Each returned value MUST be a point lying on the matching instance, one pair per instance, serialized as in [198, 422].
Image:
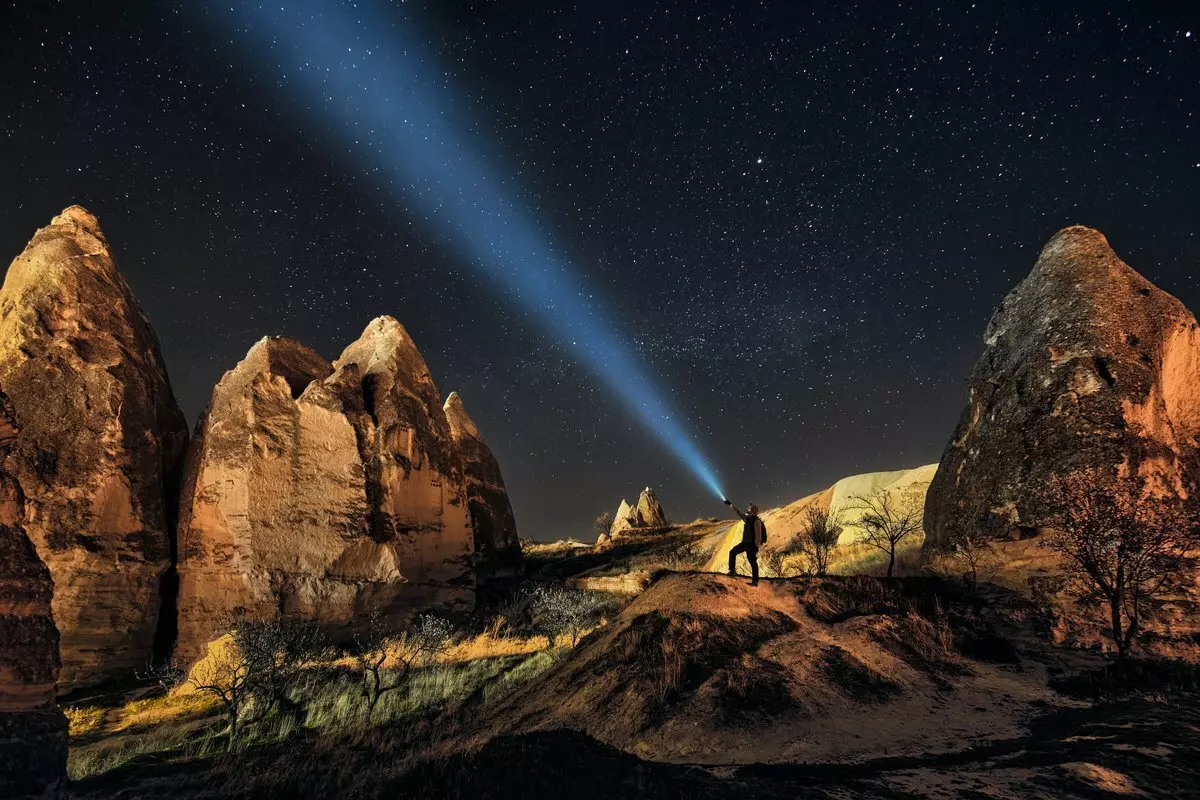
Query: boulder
[99, 446]
[33, 732]
[497, 547]
[323, 491]
[1086, 364]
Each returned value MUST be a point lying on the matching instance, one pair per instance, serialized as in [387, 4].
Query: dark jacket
[753, 525]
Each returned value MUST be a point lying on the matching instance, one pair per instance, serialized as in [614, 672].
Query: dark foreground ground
[1036, 721]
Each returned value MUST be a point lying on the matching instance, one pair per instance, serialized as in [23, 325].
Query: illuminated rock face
[497, 547]
[323, 491]
[33, 732]
[647, 515]
[1087, 364]
[99, 446]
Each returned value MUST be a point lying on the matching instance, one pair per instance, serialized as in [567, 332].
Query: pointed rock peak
[385, 348]
[1078, 252]
[80, 217]
[461, 424]
[296, 363]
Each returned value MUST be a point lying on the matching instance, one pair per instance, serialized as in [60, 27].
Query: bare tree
[970, 556]
[558, 610]
[1124, 544]
[887, 520]
[819, 535]
[386, 658]
[603, 525]
[252, 671]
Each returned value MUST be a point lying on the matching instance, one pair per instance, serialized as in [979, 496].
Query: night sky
[802, 213]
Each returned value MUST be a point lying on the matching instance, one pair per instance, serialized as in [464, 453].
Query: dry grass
[555, 549]
[490, 644]
[166, 708]
[862, 559]
[84, 719]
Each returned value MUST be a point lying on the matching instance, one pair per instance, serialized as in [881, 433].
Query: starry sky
[801, 214]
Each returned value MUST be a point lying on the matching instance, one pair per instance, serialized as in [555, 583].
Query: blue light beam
[362, 69]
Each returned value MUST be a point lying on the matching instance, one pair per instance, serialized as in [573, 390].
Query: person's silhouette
[754, 533]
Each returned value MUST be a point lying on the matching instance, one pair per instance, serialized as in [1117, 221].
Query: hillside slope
[705, 669]
[783, 524]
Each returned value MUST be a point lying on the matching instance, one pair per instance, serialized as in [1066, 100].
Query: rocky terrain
[497, 547]
[99, 444]
[312, 490]
[645, 515]
[324, 491]
[33, 732]
[1086, 364]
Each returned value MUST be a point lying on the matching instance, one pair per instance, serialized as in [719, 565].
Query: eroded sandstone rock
[323, 491]
[1087, 364]
[99, 445]
[647, 514]
[497, 547]
[33, 732]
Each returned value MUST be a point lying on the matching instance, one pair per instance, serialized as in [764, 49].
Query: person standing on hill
[754, 533]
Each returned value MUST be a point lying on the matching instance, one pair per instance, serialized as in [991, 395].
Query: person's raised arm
[735, 510]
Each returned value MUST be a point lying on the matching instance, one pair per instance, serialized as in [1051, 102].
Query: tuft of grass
[86, 762]
[84, 719]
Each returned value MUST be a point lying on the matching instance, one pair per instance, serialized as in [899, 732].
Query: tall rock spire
[497, 547]
[99, 445]
[1086, 364]
[323, 491]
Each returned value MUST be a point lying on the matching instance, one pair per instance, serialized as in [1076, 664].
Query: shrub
[560, 610]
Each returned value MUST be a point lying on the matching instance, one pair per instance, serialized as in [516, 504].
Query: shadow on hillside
[1154, 746]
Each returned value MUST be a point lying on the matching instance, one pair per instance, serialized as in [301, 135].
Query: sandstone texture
[1086, 364]
[33, 732]
[100, 441]
[647, 515]
[497, 547]
[323, 491]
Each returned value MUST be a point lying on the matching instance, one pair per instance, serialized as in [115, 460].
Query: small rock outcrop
[323, 491]
[497, 547]
[33, 732]
[646, 515]
[1087, 364]
[99, 446]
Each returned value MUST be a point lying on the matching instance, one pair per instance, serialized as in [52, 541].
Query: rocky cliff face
[323, 491]
[99, 444]
[33, 732]
[1087, 364]
[497, 547]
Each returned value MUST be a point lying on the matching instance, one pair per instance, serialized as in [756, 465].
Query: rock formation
[497, 548]
[1087, 364]
[323, 491]
[33, 732]
[99, 444]
[647, 515]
